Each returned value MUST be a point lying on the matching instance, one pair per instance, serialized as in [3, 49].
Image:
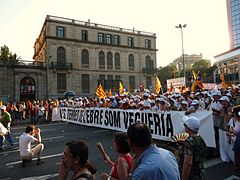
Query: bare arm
[187, 166]
[122, 169]
[38, 135]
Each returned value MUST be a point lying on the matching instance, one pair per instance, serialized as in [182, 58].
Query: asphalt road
[55, 135]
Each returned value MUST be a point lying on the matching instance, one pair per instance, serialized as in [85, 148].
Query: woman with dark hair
[75, 159]
[236, 132]
[122, 166]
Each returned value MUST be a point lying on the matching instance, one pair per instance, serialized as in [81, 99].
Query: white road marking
[44, 157]
[44, 177]
[212, 162]
[233, 178]
[100, 131]
[23, 126]
[16, 143]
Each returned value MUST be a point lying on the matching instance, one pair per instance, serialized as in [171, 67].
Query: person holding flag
[158, 86]
[100, 92]
[197, 82]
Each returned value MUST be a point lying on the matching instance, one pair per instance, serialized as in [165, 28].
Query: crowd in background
[221, 102]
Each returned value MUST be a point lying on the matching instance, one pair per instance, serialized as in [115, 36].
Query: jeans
[9, 138]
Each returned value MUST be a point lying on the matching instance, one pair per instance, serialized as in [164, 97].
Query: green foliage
[6, 56]
[202, 66]
[167, 72]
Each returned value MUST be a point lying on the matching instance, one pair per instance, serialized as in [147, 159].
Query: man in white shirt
[25, 141]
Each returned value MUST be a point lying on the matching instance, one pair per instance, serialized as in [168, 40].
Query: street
[54, 137]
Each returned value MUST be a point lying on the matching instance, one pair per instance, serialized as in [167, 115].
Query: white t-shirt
[25, 141]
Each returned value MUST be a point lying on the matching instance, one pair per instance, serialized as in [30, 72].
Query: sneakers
[39, 161]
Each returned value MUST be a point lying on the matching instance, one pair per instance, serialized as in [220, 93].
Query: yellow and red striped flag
[158, 85]
[121, 89]
[100, 92]
[109, 93]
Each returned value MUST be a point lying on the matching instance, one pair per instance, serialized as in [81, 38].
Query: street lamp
[183, 61]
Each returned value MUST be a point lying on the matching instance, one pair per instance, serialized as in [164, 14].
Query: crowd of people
[224, 105]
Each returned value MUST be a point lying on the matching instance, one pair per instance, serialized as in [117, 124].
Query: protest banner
[163, 125]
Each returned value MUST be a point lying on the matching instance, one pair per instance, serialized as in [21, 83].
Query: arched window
[117, 61]
[109, 60]
[61, 56]
[101, 57]
[85, 59]
[131, 62]
[148, 62]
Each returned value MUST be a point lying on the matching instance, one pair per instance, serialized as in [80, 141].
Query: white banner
[163, 125]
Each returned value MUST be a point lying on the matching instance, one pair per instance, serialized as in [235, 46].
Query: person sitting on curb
[25, 140]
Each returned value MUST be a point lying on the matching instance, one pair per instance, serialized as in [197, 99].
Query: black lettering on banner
[145, 118]
[131, 114]
[117, 122]
[106, 118]
[91, 115]
[137, 117]
[81, 119]
[169, 125]
[87, 115]
[79, 115]
[157, 126]
[150, 122]
[125, 120]
[69, 114]
[62, 113]
[96, 119]
[101, 116]
[110, 118]
[163, 125]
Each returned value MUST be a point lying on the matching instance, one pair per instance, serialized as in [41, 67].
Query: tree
[205, 70]
[6, 56]
[165, 73]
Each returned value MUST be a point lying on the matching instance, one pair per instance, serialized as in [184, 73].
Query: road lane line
[44, 157]
[212, 162]
[23, 126]
[44, 177]
[16, 143]
[100, 131]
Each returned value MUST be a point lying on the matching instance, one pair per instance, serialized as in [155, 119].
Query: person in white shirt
[25, 141]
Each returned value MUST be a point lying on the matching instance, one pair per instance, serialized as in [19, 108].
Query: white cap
[192, 123]
[184, 102]
[3, 107]
[195, 102]
[224, 98]
[145, 94]
[229, 94]
[217, 93]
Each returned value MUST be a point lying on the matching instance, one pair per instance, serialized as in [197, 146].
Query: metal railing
[63, 66]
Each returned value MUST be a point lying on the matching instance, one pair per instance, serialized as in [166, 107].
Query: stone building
[72, 55]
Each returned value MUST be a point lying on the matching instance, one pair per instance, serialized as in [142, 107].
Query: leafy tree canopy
[6, 56]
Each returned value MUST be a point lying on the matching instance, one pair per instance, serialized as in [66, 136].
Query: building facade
[72, 55]
[189, 61]
[228, 62]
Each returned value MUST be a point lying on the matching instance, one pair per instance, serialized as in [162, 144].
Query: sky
[206, 31]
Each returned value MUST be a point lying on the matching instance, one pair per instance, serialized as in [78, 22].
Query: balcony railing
[61, 66]
[149, 70]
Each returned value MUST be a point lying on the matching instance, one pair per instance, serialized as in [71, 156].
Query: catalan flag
[158, 86]
[109, 93]
[100, 92]
[197, 82]
[223, 83]
[121, 89]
